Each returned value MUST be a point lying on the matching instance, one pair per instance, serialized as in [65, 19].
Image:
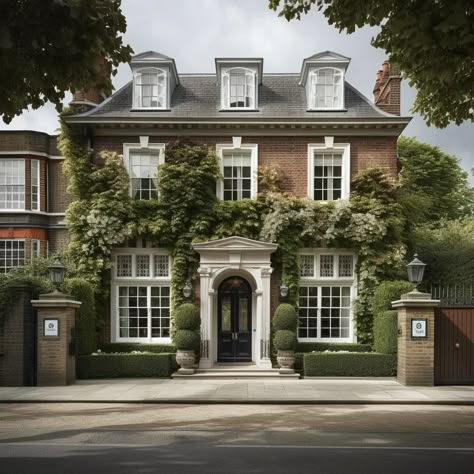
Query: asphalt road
[62, 438]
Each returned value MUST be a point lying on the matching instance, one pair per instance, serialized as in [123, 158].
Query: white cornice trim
[26, 211]
[29, 152]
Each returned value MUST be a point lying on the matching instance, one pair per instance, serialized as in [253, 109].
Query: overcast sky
[194, 32]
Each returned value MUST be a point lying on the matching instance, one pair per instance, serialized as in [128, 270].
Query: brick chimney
[87, 99]
[387, 88]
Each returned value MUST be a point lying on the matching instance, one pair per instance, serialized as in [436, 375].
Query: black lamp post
[56, 274]
[416, 269]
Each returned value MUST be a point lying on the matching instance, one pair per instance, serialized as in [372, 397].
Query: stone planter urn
[187, 361]
[286, 361]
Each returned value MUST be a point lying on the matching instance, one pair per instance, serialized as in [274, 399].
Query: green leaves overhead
[433, 43]
[49, 49]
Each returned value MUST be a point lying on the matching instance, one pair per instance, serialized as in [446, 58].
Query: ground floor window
[143, 311]
[324, 312]
[12, 254]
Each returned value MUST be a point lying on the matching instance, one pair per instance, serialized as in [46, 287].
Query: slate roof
[198, 98]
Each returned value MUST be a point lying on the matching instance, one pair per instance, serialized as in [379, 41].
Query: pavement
[237, 391]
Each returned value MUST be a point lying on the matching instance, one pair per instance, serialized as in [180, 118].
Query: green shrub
[386, 332]
[86, 323]
[187, 340]
[126, 365]
[285, 340]
[125, 347]
[285, 318]
[355, 364]
[187, 317]
[332, 346]
[387, 292]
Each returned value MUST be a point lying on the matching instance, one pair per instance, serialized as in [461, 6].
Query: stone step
[220, 374]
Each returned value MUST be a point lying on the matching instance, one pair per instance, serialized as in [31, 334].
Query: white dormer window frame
[229, 88]
[314, 75]
[342, 150]
[161, 95]
[222, 150]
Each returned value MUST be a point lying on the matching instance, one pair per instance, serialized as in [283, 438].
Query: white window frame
[335, 280]
[4, 268]
[312, 88]
[225, 88]
[150, 281]
[35, 250]
[23, 206]
[253, 148]
[147, 70]
[345, 150]
[38, 186]
[131, 147]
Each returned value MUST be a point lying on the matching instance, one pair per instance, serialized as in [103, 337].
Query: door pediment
[236, 244]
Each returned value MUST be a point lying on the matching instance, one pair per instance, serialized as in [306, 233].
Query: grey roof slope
[198, 97]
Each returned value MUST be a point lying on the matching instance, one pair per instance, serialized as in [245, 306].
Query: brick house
[313, 124]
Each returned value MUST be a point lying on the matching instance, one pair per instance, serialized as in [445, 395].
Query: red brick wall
[291, 153]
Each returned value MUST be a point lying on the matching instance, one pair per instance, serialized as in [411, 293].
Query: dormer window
[150, 89]
[326, 88]
[238, 89]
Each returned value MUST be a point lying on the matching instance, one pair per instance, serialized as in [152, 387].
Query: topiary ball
[186, 340]
[285, 317]
[187, 317]
[285, 340]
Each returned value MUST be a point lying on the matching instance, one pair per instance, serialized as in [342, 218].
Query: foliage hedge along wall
[187, 211]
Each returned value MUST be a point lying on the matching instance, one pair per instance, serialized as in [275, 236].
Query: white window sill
[151, 109]
[328, 109]
[331, 340]
[144, 340]
[240, 109]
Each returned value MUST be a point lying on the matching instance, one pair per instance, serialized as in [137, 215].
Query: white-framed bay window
[142, 163]
[12, 183]
[239, 88]
[12, 254]
[35, 185]
[141, 295]
[150, 86]
[329, 170]
[328, 286]
[239, 171]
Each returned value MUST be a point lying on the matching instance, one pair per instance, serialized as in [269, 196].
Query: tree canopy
[48, 49]
[432, 41]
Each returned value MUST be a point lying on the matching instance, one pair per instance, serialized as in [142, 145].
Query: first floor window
[327, 176]
[35, 185]
[12, 254]
[35, 248]
[143, 174]
[237, 175]
[12, 184]
[324, 312]
[143, 311]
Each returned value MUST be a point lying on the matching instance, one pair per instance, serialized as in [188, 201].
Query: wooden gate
[454, 345]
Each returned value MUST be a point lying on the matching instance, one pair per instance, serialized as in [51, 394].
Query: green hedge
[86, 322]
[285, 318]
[332, 346]
[354, 364]
[387, 292]
[187, 317]
[125, 347]
[386, 332]
[125, 365]
[284, 340]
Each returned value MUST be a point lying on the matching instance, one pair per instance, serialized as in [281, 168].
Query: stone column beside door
[415, 357]
[56, 343]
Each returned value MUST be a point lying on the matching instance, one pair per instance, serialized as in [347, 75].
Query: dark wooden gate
[454, 345]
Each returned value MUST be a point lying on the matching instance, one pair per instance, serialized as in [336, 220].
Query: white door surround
[249, 259]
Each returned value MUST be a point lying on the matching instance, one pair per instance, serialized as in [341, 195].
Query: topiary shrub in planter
[187, 338]
[284, 340]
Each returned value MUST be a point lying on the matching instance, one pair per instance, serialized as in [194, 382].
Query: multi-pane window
[239, 88]
[324, 312]
[142, 266]
[150, 89]
[12, 254]
[35, 185]
[143, 172]
[237, 175]
[326, 266]
[346, 263]
[12, 184]
[307, 266]
[35, 248]
[327, 176]
[327, 88]
[144, 312]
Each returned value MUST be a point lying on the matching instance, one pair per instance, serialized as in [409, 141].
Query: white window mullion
[148, 304]
[319, 310]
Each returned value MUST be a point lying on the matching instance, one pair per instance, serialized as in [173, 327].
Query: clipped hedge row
[332, 346]
[386, 332]
[134, 346]
[125, 365]
[355, 364]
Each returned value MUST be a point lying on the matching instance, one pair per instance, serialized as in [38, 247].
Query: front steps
[235, 371]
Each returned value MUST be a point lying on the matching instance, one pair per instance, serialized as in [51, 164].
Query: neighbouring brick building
[313, 124]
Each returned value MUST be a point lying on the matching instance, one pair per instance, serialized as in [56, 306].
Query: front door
[234, 321]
